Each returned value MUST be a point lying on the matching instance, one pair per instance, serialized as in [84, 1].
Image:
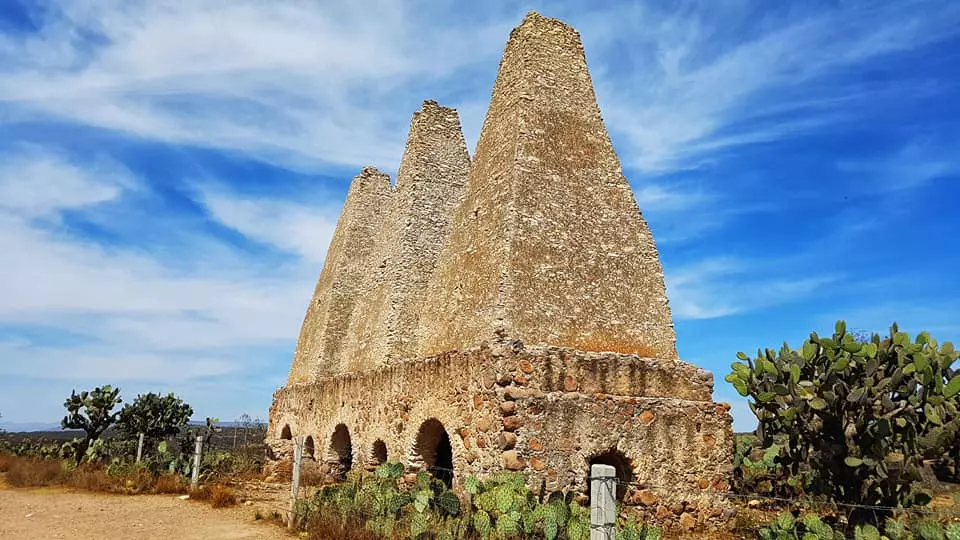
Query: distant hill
[29, 427]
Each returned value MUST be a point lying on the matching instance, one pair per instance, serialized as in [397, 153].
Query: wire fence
[602, 522]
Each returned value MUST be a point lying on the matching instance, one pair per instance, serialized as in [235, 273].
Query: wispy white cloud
[725, 286]
[291, 82]
[37, 184]
[913, 166]
[139, 315]
[694, 89]
[302, 83]
[302, 230]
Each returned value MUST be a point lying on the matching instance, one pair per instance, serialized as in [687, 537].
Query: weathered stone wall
[347, 262]
[540, 242]
[549, 245]
[430, 183]
[543, 410]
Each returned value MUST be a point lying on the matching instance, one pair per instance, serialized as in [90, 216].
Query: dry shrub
[222, 496]
[169, 483]
[310, 475]
[91, 478]
[201, 493]
[25, 472]
[325, 526]
[6, 461]
[137, 480]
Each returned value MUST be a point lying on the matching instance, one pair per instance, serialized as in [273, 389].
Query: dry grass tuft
[6, 461]
[323, 527]
[311, 476]
[91, 478]
[222, 497]
[169, 483]
[201, 493]
[26, 472]
[138, 480]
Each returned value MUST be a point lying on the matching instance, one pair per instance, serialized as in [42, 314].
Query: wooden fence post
[195, 474]
[603, 501]
[295, 484]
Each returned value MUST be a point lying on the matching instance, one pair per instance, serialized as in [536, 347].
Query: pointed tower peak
[548, 236]
[434, 110]
[535, 19]
[370, 171]
[371, 178]
[435, 151]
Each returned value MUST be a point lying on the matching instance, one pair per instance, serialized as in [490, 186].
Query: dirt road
[56, 513]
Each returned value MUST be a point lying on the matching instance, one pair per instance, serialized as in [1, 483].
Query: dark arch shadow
[308, 447]
[621, 464]
[433, 447]
[379, 452]
[341, 452]
[285, 433]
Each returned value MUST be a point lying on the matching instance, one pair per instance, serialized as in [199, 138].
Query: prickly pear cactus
[883, 400]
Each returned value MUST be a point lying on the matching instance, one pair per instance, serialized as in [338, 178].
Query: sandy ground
[57, 513]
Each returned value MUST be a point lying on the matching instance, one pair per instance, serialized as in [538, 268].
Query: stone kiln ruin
[505, 313]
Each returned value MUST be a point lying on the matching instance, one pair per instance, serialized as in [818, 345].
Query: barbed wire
[730, 494]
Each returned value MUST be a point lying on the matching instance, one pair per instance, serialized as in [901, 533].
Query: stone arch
[622, 464]
[309, 449]
[378, 453]
[285, 433]
[340, 456]
[432, 448]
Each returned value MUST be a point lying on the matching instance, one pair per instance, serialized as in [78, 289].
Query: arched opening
[308, 447]
[621, 464]
[433, 447]
[285, 433]
[379, 452]
[341, 451]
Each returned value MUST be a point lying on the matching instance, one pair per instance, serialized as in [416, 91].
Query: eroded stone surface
[430, 183]
[669, 455]
[549, 238]
[465, 308]
[348, 261]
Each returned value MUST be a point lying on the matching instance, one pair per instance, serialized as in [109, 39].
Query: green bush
[153, 415]
[850, 417]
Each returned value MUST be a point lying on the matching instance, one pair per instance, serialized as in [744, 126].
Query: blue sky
[171, 172]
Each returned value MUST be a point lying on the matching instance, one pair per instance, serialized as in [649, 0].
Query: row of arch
[432, 447]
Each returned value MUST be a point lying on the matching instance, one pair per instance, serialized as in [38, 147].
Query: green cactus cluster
[812, 527]
[809, 527]
[630, 528]
[499, 508]
[851, 420]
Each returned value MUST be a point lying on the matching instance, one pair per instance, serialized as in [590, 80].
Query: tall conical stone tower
[348, 259]
[549, 245]
[508, 313]
[430, 183]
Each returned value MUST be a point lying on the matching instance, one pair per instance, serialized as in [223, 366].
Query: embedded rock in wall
[549, 245]
[348, 260]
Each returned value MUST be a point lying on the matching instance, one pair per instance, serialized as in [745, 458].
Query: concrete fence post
[140, 448]
[195, 474]
[603, 501]
[295, 484]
